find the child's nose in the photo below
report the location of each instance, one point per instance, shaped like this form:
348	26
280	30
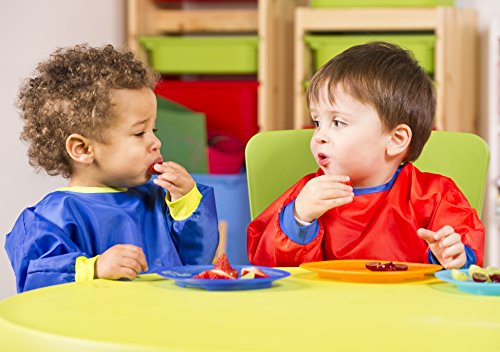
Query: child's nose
320	136
156	143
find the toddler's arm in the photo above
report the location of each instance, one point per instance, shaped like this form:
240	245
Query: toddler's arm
121	261
275	237
193	224
446	245
321	194
174	178
192	209
41	253
454	233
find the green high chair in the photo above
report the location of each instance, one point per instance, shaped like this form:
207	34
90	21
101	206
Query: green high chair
275	160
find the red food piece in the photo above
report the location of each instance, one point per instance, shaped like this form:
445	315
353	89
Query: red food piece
390	266
223	264
213	274
387	266
152	169
495	278
400	267
373	266
478	277
251	269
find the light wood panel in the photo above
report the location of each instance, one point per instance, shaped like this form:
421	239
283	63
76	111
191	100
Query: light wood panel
455	53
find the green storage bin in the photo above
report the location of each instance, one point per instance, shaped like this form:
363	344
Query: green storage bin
325	47
381	3
183	135
203	55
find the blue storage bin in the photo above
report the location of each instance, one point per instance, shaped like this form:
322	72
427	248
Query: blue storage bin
231	197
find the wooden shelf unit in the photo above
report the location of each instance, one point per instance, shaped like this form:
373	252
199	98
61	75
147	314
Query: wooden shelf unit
455	53
272	21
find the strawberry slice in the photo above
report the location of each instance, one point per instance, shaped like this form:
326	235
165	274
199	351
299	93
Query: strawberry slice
213	274
223	264
247	276
256	271
152	169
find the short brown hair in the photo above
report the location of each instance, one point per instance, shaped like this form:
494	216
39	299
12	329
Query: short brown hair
70	93
389	79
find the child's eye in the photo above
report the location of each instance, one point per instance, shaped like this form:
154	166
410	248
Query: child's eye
338	123
316	123
139	134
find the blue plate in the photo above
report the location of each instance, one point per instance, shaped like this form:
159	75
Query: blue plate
182	275
477	288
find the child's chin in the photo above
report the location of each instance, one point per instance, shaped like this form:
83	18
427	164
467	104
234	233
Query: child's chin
327	171
138	182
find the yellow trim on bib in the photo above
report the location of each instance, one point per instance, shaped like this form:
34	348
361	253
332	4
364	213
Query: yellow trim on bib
84	268
81	189
185	206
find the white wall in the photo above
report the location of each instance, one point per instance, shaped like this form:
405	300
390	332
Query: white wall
488	11
29	32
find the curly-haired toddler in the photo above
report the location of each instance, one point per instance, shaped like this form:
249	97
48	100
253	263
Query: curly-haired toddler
89	115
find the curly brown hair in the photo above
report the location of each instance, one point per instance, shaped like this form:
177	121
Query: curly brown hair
388	78
70	93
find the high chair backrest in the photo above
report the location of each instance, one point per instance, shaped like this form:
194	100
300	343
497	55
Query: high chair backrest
464	157
275	160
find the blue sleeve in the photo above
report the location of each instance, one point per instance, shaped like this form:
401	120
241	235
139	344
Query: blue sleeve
40	252
469	253
298	234
196	238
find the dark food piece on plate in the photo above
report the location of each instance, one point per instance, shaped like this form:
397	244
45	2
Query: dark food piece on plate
495	278
478	277
489	274
390	266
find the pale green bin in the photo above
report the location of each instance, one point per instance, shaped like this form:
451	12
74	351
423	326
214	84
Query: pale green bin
326	47
203	55
381	3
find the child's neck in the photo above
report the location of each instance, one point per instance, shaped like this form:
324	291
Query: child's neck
77	181
381	178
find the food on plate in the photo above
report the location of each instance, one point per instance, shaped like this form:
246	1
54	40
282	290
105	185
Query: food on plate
479	277
253	270
459	275
495	278
390	266
477	274
223	270
223	264
213	274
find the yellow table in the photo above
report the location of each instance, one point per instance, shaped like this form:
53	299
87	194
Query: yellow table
299	313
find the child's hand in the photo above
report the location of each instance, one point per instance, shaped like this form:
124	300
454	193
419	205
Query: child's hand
446	245
121	261
321	194
174	178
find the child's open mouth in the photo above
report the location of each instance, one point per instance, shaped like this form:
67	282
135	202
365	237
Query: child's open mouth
152	167
322	159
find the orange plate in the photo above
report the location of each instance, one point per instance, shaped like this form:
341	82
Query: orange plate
355	270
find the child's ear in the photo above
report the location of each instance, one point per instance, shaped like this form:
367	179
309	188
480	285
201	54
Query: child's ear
399	140
79	148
